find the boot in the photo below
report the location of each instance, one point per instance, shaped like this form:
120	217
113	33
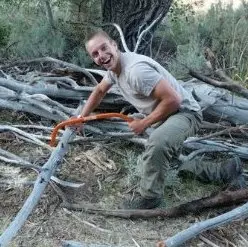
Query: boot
140	202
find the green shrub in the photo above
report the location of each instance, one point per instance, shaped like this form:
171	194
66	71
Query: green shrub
181	30
222	29
32	35
4	34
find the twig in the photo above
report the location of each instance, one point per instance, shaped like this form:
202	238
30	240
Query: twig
87	223
25	135
207	241
135	242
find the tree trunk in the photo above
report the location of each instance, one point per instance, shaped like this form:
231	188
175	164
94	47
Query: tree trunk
134	17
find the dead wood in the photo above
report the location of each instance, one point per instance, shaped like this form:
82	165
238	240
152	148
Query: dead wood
218	104
216	146
41	182
224	198
233	87
197	228
71	243
52	60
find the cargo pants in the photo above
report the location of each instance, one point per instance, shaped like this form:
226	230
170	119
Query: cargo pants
164	146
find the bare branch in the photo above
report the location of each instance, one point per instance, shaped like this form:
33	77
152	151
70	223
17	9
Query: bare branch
53	60
123	41
146	30
197	228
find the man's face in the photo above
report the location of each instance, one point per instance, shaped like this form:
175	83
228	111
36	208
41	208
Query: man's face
104	52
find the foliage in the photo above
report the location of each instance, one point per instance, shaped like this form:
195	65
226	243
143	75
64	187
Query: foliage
4	34
225	31
31	35
184	46
222	29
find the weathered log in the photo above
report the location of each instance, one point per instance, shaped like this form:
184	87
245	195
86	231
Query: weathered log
234	87
213	146
58	93
225	198
218	104
197	228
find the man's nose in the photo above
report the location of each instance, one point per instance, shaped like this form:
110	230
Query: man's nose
101	54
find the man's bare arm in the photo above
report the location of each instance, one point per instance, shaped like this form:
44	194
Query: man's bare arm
95	98
169	102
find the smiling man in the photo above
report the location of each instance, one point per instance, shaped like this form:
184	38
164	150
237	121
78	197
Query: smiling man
167	106
153	91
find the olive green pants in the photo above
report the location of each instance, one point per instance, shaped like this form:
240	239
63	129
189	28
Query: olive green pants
163	148
224	171
164	145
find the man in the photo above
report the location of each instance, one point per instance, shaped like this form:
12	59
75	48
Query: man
153	91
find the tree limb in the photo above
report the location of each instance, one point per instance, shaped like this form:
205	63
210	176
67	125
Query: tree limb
197	228
225	198
233	87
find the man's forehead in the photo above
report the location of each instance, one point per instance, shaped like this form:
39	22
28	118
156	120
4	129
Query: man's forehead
99	38
96	42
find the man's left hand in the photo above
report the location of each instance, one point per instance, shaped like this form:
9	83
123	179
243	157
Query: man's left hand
137	126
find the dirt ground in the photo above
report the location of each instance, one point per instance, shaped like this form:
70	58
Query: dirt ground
106	182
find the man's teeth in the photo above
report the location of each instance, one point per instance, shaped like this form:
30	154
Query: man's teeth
107	61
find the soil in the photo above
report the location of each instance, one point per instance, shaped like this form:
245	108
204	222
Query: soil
104	179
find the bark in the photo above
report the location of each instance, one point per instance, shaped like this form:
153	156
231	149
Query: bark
134	17
233	87
225	198
197	228
218	104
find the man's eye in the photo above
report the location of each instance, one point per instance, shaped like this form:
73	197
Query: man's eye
94	54
104	48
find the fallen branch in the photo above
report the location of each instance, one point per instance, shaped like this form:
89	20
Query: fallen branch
53	60
24	135
70	243
233	87
197	228
40	184
216	145
225	198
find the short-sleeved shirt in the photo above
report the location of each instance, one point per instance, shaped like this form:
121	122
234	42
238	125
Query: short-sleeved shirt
139	76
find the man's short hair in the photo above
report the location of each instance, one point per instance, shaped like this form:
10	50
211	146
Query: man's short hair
97	33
